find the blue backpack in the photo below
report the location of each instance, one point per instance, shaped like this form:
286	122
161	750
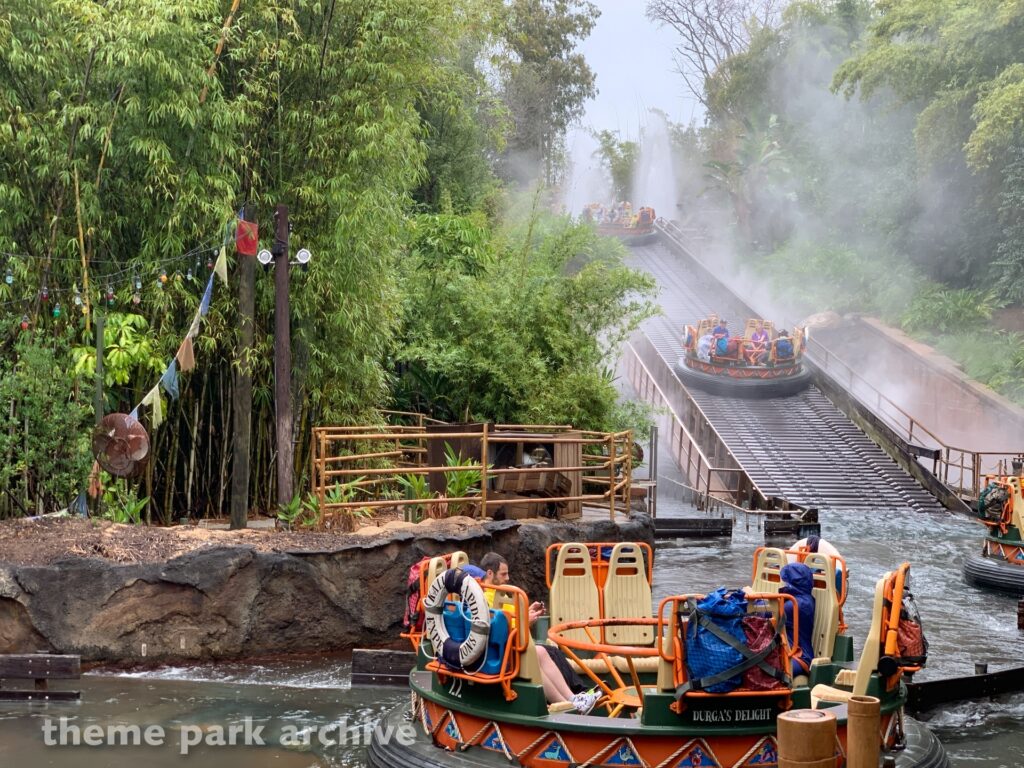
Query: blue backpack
712	622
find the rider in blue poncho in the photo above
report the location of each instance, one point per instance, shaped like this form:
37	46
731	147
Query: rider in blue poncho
798	581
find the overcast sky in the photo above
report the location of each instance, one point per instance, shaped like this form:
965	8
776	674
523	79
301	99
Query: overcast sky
632	58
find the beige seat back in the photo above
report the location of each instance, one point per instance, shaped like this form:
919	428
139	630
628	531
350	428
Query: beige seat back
666	672
627	595
574	594
438	565
435	568
826	603
873	642
767	565
529	666
705	326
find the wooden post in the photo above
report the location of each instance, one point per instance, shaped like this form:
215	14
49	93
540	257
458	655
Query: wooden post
807	739
241	406
283	358
483	471
611	477
863	732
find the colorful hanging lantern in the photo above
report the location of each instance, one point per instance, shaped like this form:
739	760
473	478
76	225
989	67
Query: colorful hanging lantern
188	275
24	322
109	295
44	293
9	276
138	283
136	298
162	279
56	310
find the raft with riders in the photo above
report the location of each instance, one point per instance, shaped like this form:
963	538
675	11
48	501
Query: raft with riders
598	676
1000	565
757	361
619	219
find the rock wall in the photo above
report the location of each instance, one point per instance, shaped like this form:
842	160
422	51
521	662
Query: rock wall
233	601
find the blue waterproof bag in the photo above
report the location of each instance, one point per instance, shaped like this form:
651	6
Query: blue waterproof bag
707	654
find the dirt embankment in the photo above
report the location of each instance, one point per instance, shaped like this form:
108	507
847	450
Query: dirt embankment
126	594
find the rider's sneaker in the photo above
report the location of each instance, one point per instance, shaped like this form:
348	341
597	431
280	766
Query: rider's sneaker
584	702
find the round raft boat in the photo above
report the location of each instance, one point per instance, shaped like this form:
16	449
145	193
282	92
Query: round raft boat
760	363
620	221
653	712
1000	565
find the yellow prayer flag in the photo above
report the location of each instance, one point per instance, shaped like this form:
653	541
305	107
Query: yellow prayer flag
152	399
221	267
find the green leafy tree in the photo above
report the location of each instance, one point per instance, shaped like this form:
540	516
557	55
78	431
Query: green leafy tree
619	159
525	338
44	428
545	81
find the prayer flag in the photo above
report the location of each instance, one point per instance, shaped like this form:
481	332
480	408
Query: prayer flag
186	355
247	240
221	267
170	380
152	399
204	305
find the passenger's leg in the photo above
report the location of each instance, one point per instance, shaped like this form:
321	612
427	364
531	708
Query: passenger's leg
555	687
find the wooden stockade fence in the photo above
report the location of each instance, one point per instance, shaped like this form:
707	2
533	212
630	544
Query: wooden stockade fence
358	468
40	668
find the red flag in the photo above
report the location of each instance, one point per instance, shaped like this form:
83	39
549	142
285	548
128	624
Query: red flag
247	239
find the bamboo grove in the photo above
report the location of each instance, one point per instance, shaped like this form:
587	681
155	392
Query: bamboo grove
133	131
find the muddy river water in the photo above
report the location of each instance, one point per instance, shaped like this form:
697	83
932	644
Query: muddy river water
293	707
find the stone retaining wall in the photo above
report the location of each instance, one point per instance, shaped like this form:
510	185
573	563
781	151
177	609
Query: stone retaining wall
232	601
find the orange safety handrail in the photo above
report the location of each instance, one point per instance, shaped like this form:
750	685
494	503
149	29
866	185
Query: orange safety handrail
893	594
604	652
598	563
511	662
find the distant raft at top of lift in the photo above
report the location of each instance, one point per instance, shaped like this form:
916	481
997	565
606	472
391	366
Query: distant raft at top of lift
632	227
760	363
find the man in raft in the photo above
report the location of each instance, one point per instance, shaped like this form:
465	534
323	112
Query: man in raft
561	683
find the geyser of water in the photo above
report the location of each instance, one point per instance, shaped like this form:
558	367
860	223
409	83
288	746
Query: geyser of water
587	180
654	181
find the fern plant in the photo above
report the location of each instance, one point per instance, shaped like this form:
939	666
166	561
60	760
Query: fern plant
415	486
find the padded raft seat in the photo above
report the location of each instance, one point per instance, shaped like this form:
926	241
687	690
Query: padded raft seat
767	566
574	594
826	604
439	565
627	595
858	679
767	578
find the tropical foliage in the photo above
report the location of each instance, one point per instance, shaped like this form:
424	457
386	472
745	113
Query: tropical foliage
133	133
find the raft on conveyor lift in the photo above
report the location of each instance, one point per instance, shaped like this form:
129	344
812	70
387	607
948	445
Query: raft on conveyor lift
744	366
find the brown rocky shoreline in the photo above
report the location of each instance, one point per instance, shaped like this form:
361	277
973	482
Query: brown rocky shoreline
135	595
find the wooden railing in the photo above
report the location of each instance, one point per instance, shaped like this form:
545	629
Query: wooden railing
711	481
370	460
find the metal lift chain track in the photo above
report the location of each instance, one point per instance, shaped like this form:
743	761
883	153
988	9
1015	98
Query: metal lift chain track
801	448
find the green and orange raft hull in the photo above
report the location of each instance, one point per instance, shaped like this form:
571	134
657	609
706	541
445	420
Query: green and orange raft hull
469	731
